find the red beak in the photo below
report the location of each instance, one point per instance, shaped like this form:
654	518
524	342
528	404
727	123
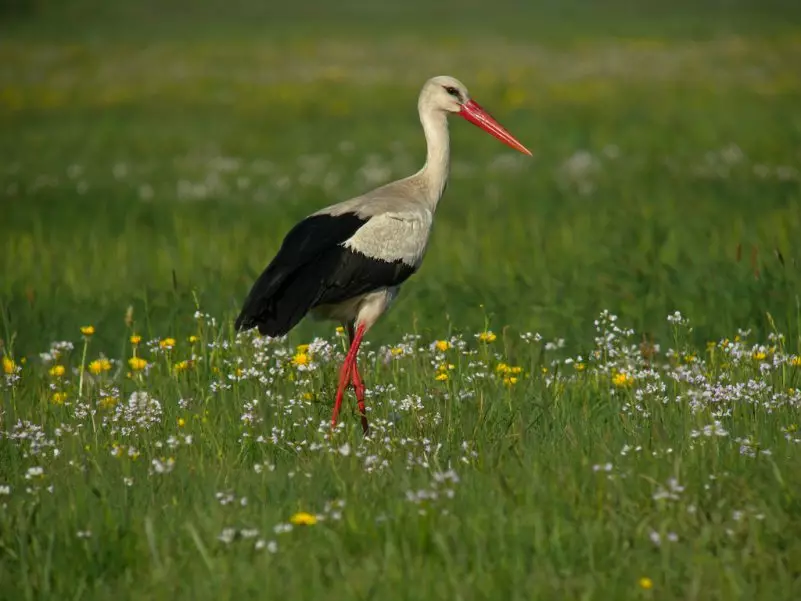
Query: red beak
478	116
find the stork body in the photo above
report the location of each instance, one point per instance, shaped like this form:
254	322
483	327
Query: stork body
346	262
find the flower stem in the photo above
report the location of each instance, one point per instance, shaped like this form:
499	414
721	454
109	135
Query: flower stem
83	367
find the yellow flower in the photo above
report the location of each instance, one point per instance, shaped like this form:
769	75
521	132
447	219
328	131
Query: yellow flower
446	366
98	366
193	339
107	402
396	350
510	380
579	366
504	369
340	330
9	367
301	359
646	583
443	345
167	343
135	339
57	371
759	355
795	361
441	377
308	396
622	380
59	397
690	358
302	348
303	518
137	363
87	330
180	366
181	422
487	336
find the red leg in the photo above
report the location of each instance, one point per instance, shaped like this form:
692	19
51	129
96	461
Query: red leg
345	372
358	387
344	378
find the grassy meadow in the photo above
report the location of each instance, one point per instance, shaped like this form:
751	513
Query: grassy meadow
590	390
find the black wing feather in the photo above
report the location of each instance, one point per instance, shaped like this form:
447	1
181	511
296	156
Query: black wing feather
313	268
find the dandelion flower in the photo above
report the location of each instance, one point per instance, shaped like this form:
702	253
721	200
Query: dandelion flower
396	350
442	345
759	355
507	371
87	330
579	366
193	339
303	518
107	402
98	366
301	359
510	380
135	339
137	363
57	371
441	377
340	330
9	367
646	583
795	361
167	343
302	348
180	366
59	398
181	422
622	380
487	336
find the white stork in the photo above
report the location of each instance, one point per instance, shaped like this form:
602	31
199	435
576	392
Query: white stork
346	262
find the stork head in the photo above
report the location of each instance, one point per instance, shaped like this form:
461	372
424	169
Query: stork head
447	94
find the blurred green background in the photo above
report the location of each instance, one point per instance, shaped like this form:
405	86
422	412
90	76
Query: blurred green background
157	152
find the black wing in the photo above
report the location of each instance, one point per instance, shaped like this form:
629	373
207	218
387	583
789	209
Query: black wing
313	268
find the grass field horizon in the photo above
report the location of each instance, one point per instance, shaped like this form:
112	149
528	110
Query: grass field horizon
590	389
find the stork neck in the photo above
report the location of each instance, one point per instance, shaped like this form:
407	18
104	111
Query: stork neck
434	174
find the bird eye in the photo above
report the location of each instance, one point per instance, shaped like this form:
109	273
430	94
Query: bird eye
453	92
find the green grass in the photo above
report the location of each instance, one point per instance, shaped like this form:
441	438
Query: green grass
151	168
